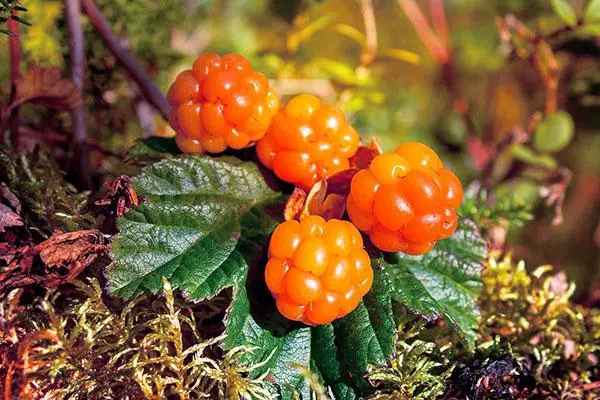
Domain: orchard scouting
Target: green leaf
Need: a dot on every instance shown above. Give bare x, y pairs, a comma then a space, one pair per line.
343, 350
444, 282
154, 144
564, 10
592, 11
554, 133
253, 321
591, 30
188, 226
528, 156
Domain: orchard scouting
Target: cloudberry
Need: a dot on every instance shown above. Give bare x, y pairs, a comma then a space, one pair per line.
318, 270
308, 141
219, 103
406, 200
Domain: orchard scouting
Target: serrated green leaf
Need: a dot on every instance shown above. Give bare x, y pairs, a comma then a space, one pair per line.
188, 226
592, 11
343, 350
444, 282
554, 133
253, 321
564, 10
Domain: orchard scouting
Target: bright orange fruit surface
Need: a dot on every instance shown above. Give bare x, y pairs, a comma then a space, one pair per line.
219, 103
318, 270
406, 200
308, 141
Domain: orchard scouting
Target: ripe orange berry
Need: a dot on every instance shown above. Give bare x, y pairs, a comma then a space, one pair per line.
308, 141
452, 190
190, 145
421, 190
221, 98
389, 168
318, 270
406, 201
419, 156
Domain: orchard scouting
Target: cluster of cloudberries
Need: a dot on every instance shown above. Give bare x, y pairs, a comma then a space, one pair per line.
317, 270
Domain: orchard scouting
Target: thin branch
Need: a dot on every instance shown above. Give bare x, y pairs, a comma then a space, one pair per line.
431, 42
56, 137
149, 90
14, 43
368, 14
439, 22
79, 147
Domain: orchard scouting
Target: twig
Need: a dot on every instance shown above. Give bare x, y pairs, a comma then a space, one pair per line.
431, 42
14, 43
368, 14
547, 67
57, 137
79, 148
135, 70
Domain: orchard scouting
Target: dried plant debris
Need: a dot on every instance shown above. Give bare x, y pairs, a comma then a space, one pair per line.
54, 261
48, 202
419, 368
534, 342
77, 347
118, 198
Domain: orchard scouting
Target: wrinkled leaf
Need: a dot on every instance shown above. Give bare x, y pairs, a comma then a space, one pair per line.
188, 227
343, 350
563, 9
444, 282
45, 86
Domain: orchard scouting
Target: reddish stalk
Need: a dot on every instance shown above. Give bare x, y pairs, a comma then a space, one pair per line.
439, 22
368, 14
149, 90
431, 42
79, 147
14, 44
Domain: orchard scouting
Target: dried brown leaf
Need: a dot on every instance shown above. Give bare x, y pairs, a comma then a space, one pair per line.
45, 86
63, 256
365, 154
294, 205
319, 202
8, 218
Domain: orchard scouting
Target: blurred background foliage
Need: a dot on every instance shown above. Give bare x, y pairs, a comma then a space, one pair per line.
316, 46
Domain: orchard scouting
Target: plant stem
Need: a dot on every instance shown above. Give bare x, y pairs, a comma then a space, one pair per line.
149, 90
14, 44
79, 147
439, 22
434, 47
368, 13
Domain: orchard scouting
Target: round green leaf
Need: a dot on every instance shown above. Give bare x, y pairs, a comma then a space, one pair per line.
554, 133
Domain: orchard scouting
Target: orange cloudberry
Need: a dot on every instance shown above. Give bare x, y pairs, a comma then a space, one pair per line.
406, 200
308, 141
219, 103
317, 270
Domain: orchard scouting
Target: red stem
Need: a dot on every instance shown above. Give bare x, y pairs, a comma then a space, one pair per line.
431, 42
14, 44
439, 22
135, 70
79, 147
368, 13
